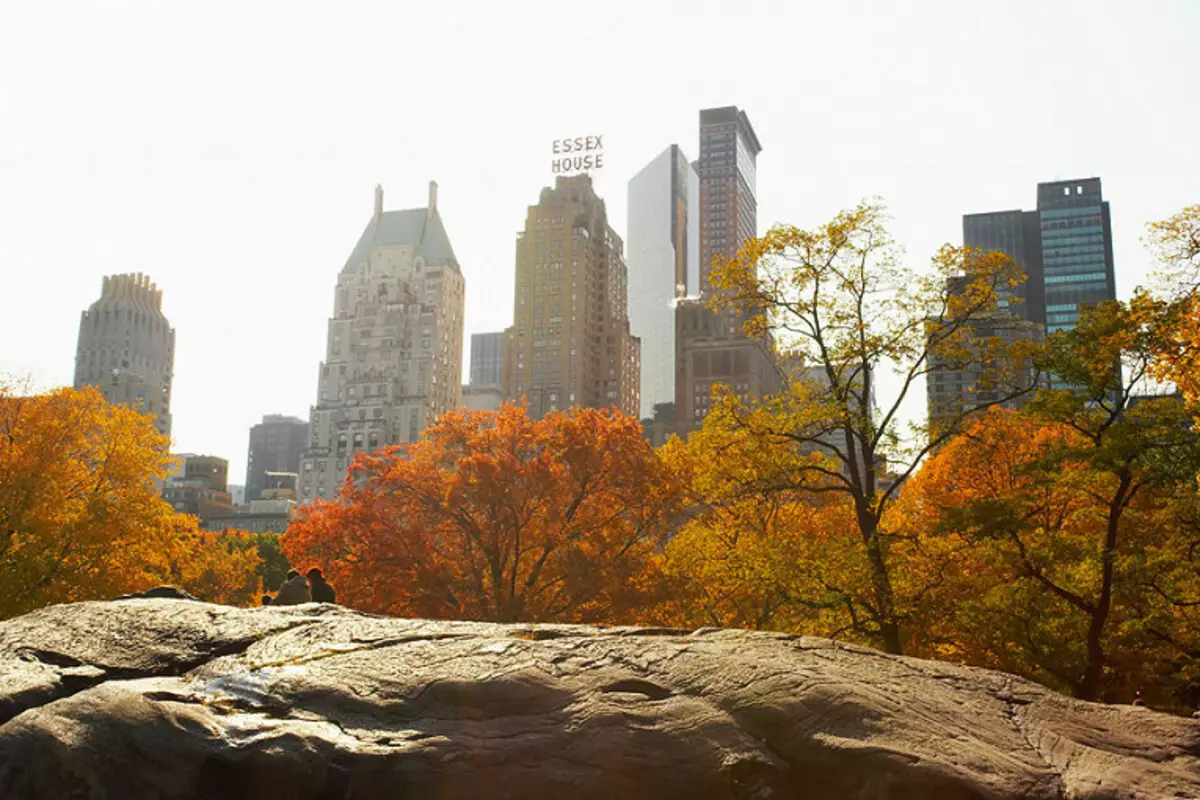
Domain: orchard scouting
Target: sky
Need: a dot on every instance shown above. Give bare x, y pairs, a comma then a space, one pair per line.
230, 149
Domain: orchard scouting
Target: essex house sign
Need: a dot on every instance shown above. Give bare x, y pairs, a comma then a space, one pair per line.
578, 154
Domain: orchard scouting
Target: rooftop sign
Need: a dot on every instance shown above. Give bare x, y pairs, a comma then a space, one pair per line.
579, 154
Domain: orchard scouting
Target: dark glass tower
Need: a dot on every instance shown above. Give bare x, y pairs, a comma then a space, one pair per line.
1077, 255
1064, 248
1018, 234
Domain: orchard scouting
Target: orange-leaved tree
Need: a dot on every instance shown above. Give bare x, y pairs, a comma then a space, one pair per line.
497, 516
1081, 511
80, 516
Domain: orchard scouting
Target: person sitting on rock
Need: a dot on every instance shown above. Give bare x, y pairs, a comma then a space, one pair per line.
294, 591
322, 592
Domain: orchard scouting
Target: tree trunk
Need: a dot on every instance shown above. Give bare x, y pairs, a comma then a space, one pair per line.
1093, 674
881, 583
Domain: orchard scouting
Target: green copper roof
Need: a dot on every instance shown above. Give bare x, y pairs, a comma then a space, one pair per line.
413, 226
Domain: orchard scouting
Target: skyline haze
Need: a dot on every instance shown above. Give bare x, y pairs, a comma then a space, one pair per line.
230, 151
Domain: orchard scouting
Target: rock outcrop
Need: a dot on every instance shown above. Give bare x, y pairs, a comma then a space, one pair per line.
168, 698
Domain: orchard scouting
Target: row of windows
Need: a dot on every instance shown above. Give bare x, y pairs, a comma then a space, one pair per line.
1087, 277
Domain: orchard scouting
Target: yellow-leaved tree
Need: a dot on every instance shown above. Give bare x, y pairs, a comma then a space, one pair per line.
81, 517
843, 309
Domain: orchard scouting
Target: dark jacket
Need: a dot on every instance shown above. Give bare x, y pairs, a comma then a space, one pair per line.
293, 592
322, 592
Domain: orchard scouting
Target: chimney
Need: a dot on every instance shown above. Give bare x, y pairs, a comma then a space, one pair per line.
432, 199
378, 201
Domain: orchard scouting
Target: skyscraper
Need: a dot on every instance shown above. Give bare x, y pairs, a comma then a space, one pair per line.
664, 265
487, 358
728, 169
127, 348
1077, 254
713, 348
1064, 248
1017, 234
394, 356
570, 344
275, 446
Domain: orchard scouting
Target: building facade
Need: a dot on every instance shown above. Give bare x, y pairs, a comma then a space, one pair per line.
1017, 234
487, 359
570, 343
275, 446
198, 485
953, 389
1077, 254
728, 171
482, 397
393, 360
712, 348
1064, 248
663, 247
126, 347
710, 353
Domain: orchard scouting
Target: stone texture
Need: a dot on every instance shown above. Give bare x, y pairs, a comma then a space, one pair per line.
169, 698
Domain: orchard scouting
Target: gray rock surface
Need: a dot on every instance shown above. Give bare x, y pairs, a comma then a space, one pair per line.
167, 698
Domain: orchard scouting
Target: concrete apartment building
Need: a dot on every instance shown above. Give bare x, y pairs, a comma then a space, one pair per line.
663, 252
713, 348
570, 343
127, 348
393, 360
275, 446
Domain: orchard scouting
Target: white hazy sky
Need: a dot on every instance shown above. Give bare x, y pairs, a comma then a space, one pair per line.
230, 149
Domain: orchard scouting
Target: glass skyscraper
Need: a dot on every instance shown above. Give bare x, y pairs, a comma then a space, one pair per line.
1077, 257
663, 247
1064, 248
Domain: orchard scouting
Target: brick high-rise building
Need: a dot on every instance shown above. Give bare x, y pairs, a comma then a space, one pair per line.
275, 446
393, 362
127, 348
570, 344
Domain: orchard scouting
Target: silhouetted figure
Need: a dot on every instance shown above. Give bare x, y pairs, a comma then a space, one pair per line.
266, 599
322, 592
294, 590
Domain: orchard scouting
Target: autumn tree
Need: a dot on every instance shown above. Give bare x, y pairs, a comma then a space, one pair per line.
1175, 310
843, 310
757, 556
496, 516
1075, 515
80, 516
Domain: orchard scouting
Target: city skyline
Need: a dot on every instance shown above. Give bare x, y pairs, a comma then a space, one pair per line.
230, 177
